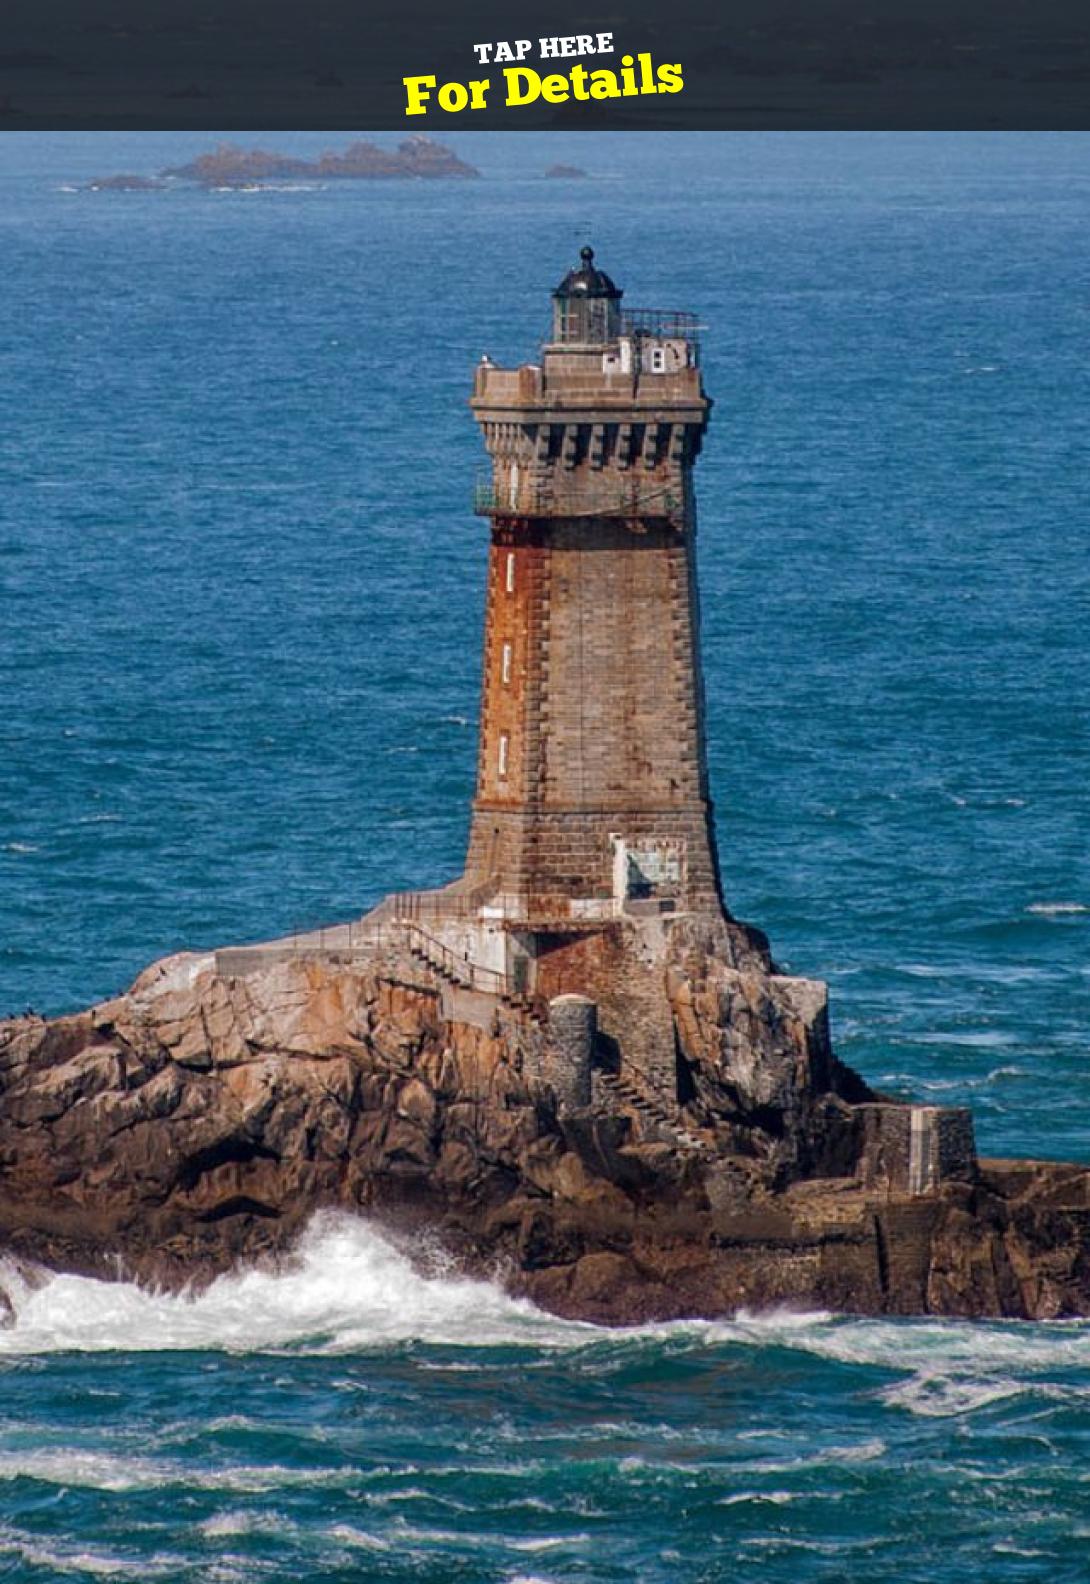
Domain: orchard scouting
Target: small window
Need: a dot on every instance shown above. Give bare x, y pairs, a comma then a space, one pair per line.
502, 764
505, 664
658, 360
510, 571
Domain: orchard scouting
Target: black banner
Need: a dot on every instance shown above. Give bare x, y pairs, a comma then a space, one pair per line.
340, 64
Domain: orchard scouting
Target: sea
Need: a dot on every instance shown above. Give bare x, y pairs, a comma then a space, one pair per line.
240, 615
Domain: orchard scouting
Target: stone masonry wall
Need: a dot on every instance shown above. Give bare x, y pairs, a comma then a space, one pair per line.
600, 705
913, 1149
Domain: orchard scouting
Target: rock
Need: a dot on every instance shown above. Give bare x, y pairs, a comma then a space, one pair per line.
228, 166
200, 1120
125, 182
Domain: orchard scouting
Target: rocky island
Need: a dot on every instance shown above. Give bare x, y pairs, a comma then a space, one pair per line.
571, 1068
416, 157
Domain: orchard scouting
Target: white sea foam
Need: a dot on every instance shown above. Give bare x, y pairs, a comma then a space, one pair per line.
949, 1368
118, 1472
348, 1288
351, 1288
989, 973
1054, 909
225, 1524
947, 1396
347, 1534
971, 1039
60, 1557
775, 1498
546, 1542
867, 1451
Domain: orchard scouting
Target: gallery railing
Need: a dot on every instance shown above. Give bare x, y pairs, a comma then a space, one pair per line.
631, 499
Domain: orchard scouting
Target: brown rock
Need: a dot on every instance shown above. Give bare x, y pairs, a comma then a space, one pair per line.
199, 1121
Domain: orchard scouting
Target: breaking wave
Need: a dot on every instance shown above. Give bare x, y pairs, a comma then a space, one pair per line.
351, 1288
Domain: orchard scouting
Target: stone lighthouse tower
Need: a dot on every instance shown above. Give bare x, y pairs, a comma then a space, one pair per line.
592, 787
592, 835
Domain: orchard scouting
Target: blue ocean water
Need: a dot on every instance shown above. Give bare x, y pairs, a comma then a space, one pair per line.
240, 602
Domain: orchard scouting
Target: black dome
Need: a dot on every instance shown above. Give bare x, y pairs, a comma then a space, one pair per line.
586, 281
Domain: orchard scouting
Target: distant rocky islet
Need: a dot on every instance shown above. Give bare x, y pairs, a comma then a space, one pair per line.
417, 157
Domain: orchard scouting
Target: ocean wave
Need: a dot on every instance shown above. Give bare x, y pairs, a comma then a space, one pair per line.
951, 1368
774, 1498
949, 1396
120, 1473
353, 1289
1056, 909
359, 1539
822, 1457
348, 1288
61, 1557
545, 1542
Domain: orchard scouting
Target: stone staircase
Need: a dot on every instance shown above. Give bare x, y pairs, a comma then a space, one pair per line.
466, 975
523, 1007
738, 1176
629, 1092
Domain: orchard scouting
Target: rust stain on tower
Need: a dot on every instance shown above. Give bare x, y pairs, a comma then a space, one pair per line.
592, 789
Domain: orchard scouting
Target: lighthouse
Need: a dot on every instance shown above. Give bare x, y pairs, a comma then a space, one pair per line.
592, 784
586, 949
592, 837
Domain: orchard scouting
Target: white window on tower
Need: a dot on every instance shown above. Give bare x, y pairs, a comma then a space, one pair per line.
510, 571
658, 360
505, 665
502, 762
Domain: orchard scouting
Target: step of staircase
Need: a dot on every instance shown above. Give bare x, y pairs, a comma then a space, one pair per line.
702, 1142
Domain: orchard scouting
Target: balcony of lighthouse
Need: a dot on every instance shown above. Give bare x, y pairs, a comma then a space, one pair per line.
654, 356
508, 491
578, 325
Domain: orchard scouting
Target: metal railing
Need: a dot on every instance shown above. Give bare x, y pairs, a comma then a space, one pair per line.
453, 965
440, 904
664, 324
629, 499
377, 934
484, 496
